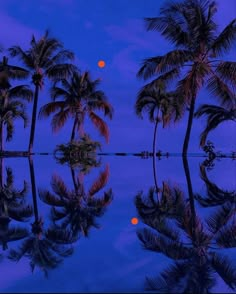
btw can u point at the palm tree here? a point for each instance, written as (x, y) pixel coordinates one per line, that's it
(160, 105)
(44, 248)
(80, 97)
(183, 237)
(215, 116)
(77, 209)
(11, 108)
(44, 59)
(189, 25)
(12, 207)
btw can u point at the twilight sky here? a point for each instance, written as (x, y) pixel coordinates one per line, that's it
(112, 31)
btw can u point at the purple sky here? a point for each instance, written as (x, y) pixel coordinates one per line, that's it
(112, 31)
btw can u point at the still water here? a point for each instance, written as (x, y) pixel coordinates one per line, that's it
(66, 230)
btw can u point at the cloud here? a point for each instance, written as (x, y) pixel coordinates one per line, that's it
(124, 63)
(133, 33)
(14, 32)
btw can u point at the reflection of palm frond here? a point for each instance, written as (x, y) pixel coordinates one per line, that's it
(75, 210)
(226, 237)
(196, 264)
(100, 182)
(47, 252)
(225, 269)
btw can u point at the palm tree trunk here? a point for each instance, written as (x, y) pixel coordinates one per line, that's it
(73, 130)
(74, 180)
(191, 197)
(33, 186)
(81, 126)
(1, 136)
(1, 172)
(34, 117)
(189, 127)
(154, 154)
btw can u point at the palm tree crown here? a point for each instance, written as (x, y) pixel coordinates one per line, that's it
(80, 97)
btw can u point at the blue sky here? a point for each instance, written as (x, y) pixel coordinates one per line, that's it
(112, 31)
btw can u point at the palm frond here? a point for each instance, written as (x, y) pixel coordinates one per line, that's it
(220, 218)
(22, 91)
(100, 125)
(226, 70)
(60, 71)
(226, 238)
(49, 198)
(59, 187)
(174, 250)
(59, 119)
(225, 270)
(50, 108)
(220, 90)
(100, 182)
(225, 40)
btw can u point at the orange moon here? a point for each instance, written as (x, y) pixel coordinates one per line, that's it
(101, 63)
(134, 221)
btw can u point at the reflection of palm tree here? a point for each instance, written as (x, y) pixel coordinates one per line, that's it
(44, 248)
(191, 28)
(12, 206)
(223, 220)
(80, 98)
(44, 59)
(192, 245)
(161, 106)
(215, 116)
(155, 209)
(76, 208)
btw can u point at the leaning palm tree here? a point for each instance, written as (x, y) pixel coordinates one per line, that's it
(45, 248)
(12, 108)
(190, 26)
(160, 105)
(215, 116)
(44, 59)
(80, 97)
(77, 209)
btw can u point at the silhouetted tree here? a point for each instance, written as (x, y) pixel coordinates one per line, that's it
(44, 59)
(190, 26)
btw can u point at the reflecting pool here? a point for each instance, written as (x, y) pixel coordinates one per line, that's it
(71, 228)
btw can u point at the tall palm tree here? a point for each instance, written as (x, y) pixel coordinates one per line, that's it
(215, 116)
(11, 108)
(190, 26)
(77, 209)
(80, 97)
(160, 105)
(44, 59)
(45, 248)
